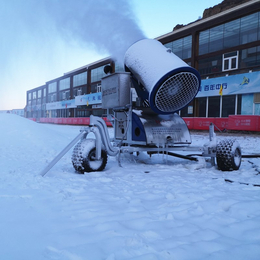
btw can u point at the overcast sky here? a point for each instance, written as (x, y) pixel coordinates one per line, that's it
(41, 40)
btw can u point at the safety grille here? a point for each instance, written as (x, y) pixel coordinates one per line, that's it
(176, 92)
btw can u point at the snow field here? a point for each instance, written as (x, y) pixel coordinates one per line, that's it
(150, 208)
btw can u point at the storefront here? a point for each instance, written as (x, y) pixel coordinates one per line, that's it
(230, 95)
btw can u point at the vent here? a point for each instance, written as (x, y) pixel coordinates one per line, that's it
(176, 92)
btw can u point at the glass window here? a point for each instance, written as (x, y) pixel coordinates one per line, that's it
(239, 103)
(201, 104)
(230, 61)
(98, 112)
(214, 106)
(65, 95)
(29, 96)
(231, 33)
(188, 110)
(64, 83)
(248, 28)
(177, 47)
(228, 105)
(97, 74)
(34, 95)
(119, 67)
(181, 47)
(80, 79)
(239, 31)
(168, 45)
(204, 42)
(186, 50)
(52, 98)
(210, 65)
(44, 92)
(52, 87)
(249, 57)
(39, 93)
(216, 38)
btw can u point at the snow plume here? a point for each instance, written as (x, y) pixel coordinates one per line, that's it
(40, 40)
(108, 26)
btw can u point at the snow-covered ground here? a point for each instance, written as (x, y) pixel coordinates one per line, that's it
(150, 208)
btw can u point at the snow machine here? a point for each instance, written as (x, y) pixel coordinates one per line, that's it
(144, 100)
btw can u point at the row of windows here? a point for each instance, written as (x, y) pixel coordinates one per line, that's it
(231, 34)
(36, 94)
(223, 106)
(181, 47)
(237, 32)
(235, 60)
(217, 106)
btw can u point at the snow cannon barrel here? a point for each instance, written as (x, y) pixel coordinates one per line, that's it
(170, 83)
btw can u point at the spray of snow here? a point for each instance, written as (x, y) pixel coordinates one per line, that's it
(40, 40)
(107, 25)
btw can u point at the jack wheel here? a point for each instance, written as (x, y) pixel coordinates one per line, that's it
(83, 157)
(228, 155)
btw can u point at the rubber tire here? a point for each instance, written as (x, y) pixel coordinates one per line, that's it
(83, 157)
(228, 155)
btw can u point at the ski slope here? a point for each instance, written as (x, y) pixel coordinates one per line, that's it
(150, 208)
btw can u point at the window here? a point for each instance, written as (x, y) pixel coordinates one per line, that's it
(237, 32)
(34, 95)
(39, 93)
(119, 67)
(95, 88)
(216, 38)
(214, 106)
(248, 29)
(64, 83)
(52, 87)
(230, 61)
(97, 74)
(181, 47)
(52, 98)
(228, 105)
(249, 57)
(99, 88)
(201, 106)
(210, 65)
(231, 33)
(80, 79)
(239, 104)
(29, 96)
(204, 42)
(65, 95)
(188, 110)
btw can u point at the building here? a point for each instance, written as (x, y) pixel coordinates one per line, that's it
(223, 47)
(19, 112)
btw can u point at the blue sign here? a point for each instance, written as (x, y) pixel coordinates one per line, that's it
(90, 99)
(230, 85)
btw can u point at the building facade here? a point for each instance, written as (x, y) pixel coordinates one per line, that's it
(224, 48)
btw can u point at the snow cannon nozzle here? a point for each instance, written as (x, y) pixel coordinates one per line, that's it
(170, 84)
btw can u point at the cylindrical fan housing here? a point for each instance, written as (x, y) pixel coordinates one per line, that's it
(171, 83)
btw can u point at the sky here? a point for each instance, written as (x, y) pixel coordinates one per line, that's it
(41, 40)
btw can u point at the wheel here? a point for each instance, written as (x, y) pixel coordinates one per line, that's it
(228, 155)
(83, 157)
